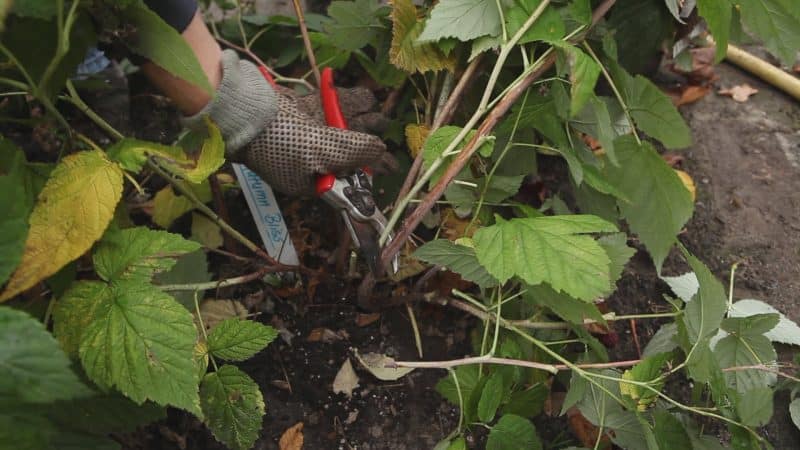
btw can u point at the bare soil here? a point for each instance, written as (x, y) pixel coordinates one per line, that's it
(746, 164)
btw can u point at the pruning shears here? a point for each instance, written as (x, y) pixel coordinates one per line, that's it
(351, 194)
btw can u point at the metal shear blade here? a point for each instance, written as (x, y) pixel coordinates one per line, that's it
(352, 195)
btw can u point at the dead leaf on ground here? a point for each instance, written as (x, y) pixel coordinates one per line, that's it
(292, 438)
(363, 320)
(688, 94)
(326, 335)
(740, 93)
(409, 266)
(381, 366)
(454, 227)
(215, 311)
(585, 431)
(346, 380)
(702, 65)
(672, 159)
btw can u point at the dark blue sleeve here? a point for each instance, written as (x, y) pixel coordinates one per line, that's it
(177, 13)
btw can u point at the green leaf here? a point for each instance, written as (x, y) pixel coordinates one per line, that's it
(40, 9)
(567, 308)
(659, 203)
(548, 27)
(652, 110)
(703, 315)
(189, 268)
(776, 23)
(554, 250)
(618, 252)
(462, 19)
(233, 407)
(639, 28)
(648, 370)
(583, 74)
(755, 407)
(717, 14)
(237, 340)
(785, 332)
(528, 403)
(104, 413)
(74, 312)
(669, 431)
(438, 142)
(457, 258)
(743, 348)
(663, 341)
(467, 380)
(142, 343)
(595, 120)
(355, 23)
(405, 52)
(754, 325)
(14, 212)
(513, 431)
(131, 154)
(137, 254)
(34, 367)
(162, 44)
(575, 393)
(491, 396)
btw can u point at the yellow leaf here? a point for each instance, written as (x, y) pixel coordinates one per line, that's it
(211, 158)
(205, 231)
(71, 213)
(688, 182)
(415, 137)
(168, 206)
(405, 52)
(132, 154)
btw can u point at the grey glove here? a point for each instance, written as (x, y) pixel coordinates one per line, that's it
(270, 134)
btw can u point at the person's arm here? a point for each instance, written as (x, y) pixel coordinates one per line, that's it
(190, 99)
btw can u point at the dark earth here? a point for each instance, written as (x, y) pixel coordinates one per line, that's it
(745, 162)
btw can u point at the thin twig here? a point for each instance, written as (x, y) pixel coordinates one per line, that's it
(449, 108)
(217, 284)
(488, 359)
(278, 77)
(442, 118)
(307, 41)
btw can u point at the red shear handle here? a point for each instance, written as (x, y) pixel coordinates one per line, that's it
(330, 101)
(267, 75)
(333, 117)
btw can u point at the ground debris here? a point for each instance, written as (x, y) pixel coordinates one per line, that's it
(292, 438)
(740, 93)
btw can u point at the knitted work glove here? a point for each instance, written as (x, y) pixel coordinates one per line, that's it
(270, 134)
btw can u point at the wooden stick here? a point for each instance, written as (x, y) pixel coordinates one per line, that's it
(764, 70)
(306, 40)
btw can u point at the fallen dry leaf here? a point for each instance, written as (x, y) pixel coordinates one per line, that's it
(585, 431)
(415, 137)
(363, 320)
(346, 380)
(382, 366)
(325, 335)
(215, 311)
(292, 438)
(739, 93)
(689, 94)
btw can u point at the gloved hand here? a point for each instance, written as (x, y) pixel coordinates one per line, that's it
(269, 132)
